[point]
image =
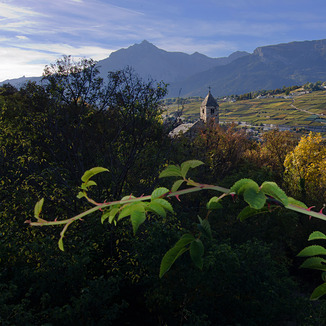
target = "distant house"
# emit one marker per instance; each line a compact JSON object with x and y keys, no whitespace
{"x":209,"y":109}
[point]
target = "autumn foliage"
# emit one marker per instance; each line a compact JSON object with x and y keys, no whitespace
{"x":305,"y":168}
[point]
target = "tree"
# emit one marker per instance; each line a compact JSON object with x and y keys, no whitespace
{"x":305,"y":168}
{"x":126,"y":110}
{"x":223,"y":147}
{"x":75,"y":83}
{"x":272,"y":151}
{"x":49,"y":134}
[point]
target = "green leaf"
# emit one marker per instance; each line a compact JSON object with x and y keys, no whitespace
{"x":171,"y":171}
{"x":205,"y":228}
{"x":89,"y":173}
{"x":214,"y":203}
{"x":314,"y":250}
{"x":197,"y":252}
{"x":169,"y":258}
{"x":249,"y":211}
{"x":255,"y":199}
{"x":164,"y":203}
{"x":176,"y":251}
{"x":88,"y":184}
{"x":129,"y":208}
{"x":238,"y":187}
{"x":185,"y":166}
{"x":60,"y":244}
{"x":137,"y":218}
{"x":38,"y":208}
{"x":295,"y":202}
{"x":80,"y":195}
{"x":125,"y":211}
{"x":316,"y":235}
{"x":158,"y":192}
{"x":318,"y":292}
{"x":323,"y":276}
{"x":104,"y":216}
{"x":192,"y":163}
{"x":62,"y":234}
{"x":177,"y":185}
{"x":273,"y":190}
{"x":113,"y":213}
{"x":109,"y":214}
{"x":192,"y":183}
{"x":155,"y":207}
{"x":185,"y":240}
{"x":314,"y":263}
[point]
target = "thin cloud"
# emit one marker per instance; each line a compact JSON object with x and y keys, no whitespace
{"x":21,"y":37}
{"x":94,"y":28}
{"x":94,"y":52}
{"x":66,"y":16}
{"x":8,"y":11}
{"x":31,"y":60}
{"x":17,"y":26}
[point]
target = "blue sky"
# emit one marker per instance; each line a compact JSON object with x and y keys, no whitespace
{"x":34,"y":33}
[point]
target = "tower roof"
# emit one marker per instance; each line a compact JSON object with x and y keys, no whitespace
{"x":209,"y":100}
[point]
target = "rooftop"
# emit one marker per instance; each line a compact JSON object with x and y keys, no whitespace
{"x":209,"y":100}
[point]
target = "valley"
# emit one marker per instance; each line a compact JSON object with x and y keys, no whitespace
{"x":284,"y":111}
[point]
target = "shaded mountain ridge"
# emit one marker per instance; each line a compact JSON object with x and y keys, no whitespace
{"x":268,"y":67}
{"x":150,"y":61}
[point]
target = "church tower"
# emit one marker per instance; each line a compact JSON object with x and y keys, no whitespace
{"x":209,"y":108}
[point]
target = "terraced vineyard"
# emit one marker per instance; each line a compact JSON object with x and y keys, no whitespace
{"x":308,"y":109}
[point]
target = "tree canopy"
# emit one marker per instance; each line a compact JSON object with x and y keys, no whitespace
{"x":75,"y":121}
{"x":306,"y":167}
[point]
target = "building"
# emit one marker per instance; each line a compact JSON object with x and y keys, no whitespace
{"x":209,"y":109}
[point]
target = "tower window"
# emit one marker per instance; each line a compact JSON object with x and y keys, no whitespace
{"x":212,"y":111}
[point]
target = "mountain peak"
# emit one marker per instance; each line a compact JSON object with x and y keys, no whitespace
{"x":269,"y":67}
{"x":143,"y":46}
{"x":197,"y":54}
{"x":145,"y":42}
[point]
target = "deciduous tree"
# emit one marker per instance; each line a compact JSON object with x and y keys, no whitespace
{"x":305,"y":168}
{"x":223,"y":147}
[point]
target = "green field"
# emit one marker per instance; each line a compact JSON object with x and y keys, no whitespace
{"x":278,"y":111}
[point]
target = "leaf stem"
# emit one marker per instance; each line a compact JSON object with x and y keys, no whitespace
{"x":199,"y":187}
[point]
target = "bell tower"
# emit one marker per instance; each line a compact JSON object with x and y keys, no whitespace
{"x":209,"y":108}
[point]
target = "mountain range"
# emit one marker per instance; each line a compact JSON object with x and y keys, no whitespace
{"x":268,"y":67}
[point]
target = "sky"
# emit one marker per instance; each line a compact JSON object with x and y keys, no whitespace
{"x":34,"y":33}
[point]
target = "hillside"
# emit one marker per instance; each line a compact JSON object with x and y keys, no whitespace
{"x":308,"y":109}
{"x":152,"y":62}
{"x":268,"y":67}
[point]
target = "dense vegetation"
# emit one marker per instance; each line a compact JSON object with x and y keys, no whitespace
{"x":51,"y":134}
